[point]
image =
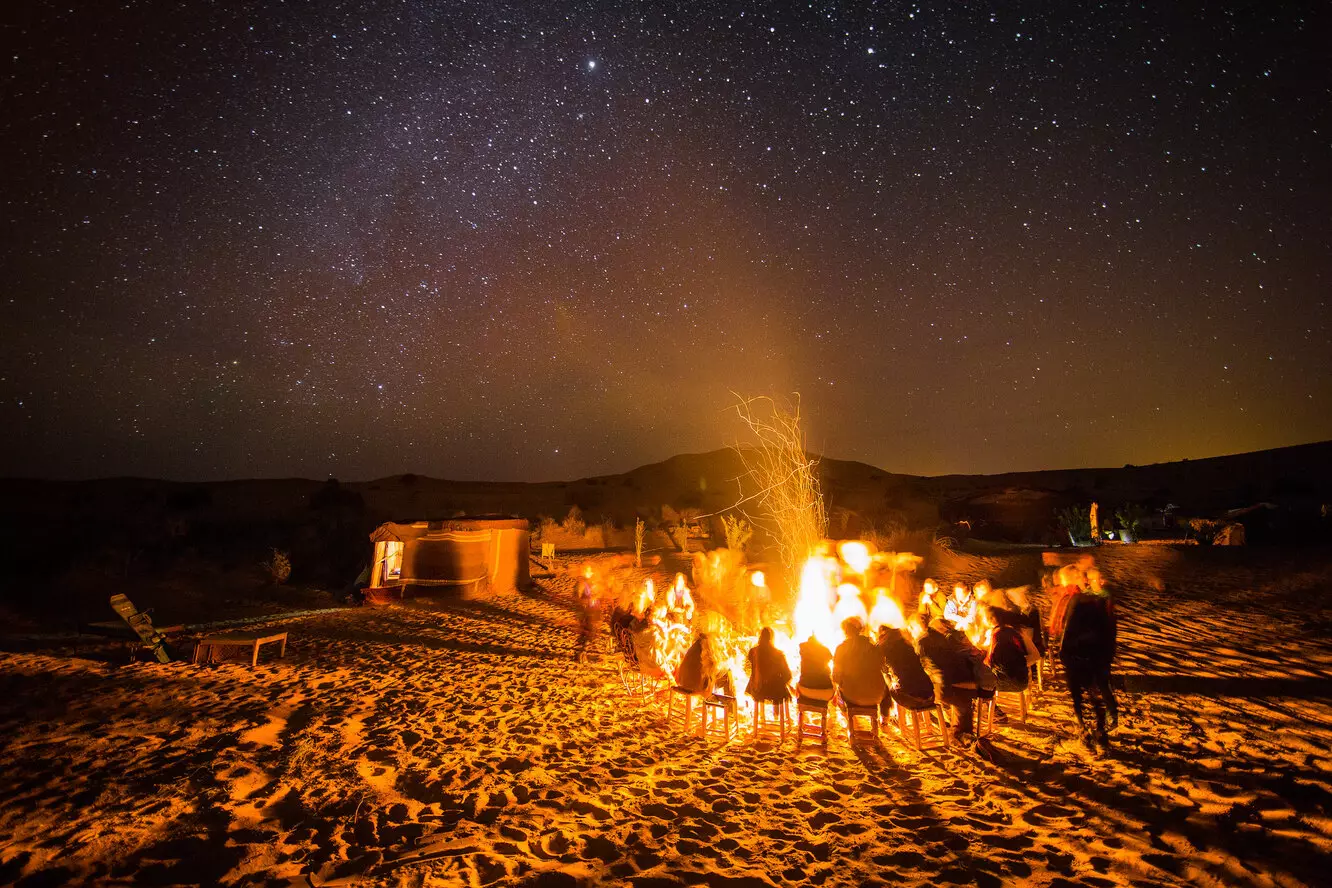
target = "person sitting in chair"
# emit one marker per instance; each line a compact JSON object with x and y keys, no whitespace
{"x":952,"y":661}
{"x":909,"y":686}
{"x":932,"y":600}
{"x":858,"y":667}
{"x":769,"y":673}
{"x":700,"y":670}
{"x":816,"y":681}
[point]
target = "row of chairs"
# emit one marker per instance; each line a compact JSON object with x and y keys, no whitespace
{"x":718,"y":713}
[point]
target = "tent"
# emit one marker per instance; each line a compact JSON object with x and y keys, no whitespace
{"x":475,"y":556}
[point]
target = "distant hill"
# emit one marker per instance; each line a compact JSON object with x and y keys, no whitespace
{"x":708,"y":482}
{"x":190,"y":545}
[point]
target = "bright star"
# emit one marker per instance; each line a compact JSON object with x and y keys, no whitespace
{"x":591,"y":65}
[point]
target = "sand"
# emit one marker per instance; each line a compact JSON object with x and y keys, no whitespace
{"x":443,"y":743}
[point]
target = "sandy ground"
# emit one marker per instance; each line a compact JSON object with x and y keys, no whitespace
{"x":458,"y":743}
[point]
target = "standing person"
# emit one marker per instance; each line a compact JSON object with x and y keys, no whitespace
{"x":1088,"y":638}
{"x":858,"y":667}
{"x":1068,"y":581}
{"x":589,"y":622}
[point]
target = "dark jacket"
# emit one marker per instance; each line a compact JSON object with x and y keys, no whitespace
{"x":904,"y":663}
{"x":947,"y":658}
{"x":1090,"y":631}
{"x":858,"y":671}
{"x":1008,"y":657}
{"x":814,"y":671}
{"x":769,"y":674}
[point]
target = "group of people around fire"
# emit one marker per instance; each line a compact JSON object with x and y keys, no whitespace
{"x":948,"y":648}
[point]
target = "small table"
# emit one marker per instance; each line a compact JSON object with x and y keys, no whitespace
{"x":207,"y":646}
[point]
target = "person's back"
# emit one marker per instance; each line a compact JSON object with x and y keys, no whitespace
{"x":858,"y":671}
{"x":690,"y":674}
{"x":943,"y":659}
{"x":902,"y":659}
{"x":1008,"y":658}
{"x":1087,"y":652}
{"x":1089,"y":630}
{"x":815,"y":672}
{"x":769,"y":673}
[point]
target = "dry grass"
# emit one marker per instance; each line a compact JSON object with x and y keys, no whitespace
{"x":785,"y":475}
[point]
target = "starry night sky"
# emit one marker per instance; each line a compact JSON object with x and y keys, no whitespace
{"x":541,"y":241}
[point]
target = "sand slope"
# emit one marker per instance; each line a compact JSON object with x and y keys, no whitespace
{"x":458,"y":743}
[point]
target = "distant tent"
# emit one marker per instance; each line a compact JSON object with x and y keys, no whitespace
{"x":475,"y":556}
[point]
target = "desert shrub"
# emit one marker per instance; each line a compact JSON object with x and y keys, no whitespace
{"x":1076,"y":521}
{"x":1129,"y":517}
{"x":573,"y":523}
{"x":738,"y":532}
{"x":887,"y":533}
{"x":546,"y":529}
{"x":278,"y":567}
{"x":640,"y":532}
{"x":680,"y":534}
{"x":1205,"y":529}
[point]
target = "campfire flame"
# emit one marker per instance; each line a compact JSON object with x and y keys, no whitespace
{"x":831,"y":591}
{"x":835,"y":584}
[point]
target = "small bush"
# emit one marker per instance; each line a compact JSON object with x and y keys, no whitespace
{"x":573,"y":523}
{"x":1076,"y":521}
{"x":738,"y":532}
{"x":278,"y":567}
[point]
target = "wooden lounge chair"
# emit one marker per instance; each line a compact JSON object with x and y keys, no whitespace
{"x":142,"y":624}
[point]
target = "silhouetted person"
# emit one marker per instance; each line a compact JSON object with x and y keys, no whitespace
{"x":816,"y":681}
{"x":909,"y":685}
{"x":1008,"y":654}
{"x":589,"y":622}
{"x":769,"y":673}
{"x":1087,"y":650}
{"x":858,"y":667}
{"x":700,"y":670}
{"x":953,"y":664}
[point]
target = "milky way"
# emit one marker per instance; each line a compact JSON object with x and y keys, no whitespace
{"x":537,"y":241}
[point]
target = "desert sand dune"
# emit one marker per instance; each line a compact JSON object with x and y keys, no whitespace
{"x":454,"y":742}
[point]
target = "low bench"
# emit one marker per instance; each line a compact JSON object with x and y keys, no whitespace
{"x":209,"y":645}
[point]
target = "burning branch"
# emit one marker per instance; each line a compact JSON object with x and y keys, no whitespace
{"x":786,"y":477}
